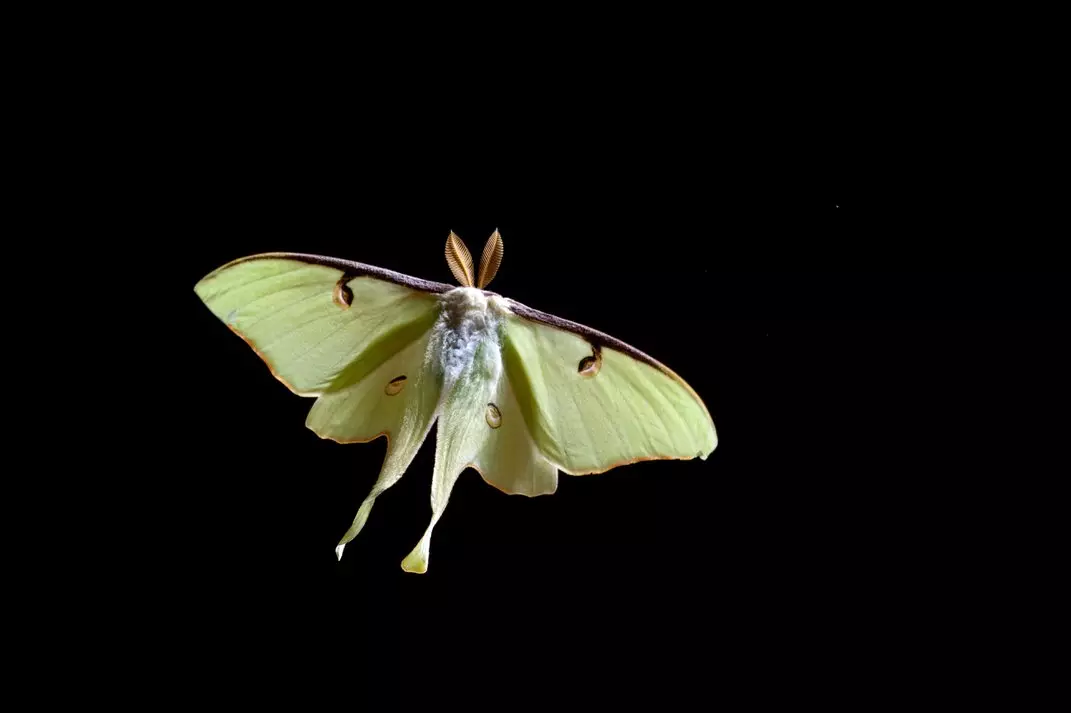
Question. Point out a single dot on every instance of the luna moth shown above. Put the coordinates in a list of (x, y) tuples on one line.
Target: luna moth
[(518, 394)]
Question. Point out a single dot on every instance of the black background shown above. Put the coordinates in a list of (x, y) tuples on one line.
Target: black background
[(845, 233), (842, 322)]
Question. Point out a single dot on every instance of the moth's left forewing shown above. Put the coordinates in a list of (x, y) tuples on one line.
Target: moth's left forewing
[(592, 402)]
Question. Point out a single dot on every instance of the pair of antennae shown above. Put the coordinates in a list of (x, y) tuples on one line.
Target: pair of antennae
[(460, 260)]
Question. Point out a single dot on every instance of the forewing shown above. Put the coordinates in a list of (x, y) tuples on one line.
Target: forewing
[(320, 324), (591, 402)]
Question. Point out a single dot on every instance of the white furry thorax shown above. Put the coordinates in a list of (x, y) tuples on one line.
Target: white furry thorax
[(469, 319)]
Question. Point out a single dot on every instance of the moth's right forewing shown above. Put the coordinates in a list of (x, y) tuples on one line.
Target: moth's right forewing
[(310, 318)]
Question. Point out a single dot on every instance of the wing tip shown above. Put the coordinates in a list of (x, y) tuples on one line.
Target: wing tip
[(237, 261)]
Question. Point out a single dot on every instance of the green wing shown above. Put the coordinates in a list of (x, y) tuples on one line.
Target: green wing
[(591, 402), (353, 335), (319, 324), (509, 459), (542, 393)]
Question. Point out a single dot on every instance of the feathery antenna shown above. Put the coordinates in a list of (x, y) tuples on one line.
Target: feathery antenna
[(459, 260), (492, 258)]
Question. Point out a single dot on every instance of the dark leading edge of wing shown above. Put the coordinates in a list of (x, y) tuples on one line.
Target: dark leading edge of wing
[(348, 267), (594, 337)]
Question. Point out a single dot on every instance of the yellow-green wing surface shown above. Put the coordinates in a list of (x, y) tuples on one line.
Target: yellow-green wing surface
[(519, 394), (320, 324), (592, 402), (353, 335)]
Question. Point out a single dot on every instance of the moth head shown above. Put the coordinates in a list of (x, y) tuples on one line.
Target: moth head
[(460, 260)]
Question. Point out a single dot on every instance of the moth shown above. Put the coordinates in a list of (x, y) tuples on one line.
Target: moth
[(518, 394)]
